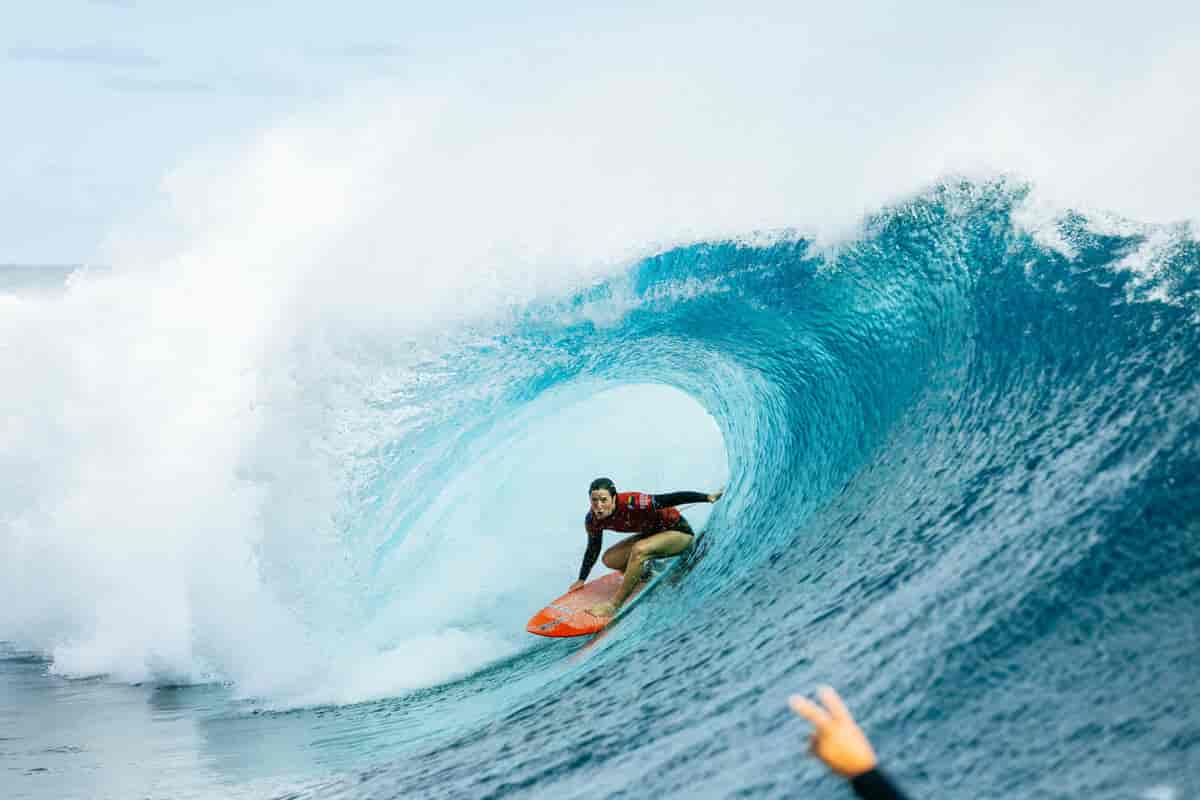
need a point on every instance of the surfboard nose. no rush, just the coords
(554, 623)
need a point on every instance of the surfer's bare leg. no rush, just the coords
(617, 556)
(656, 545)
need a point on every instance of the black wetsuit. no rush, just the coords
(874, 785)
(635, 512)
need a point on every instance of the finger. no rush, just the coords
(833, 702)
(809, 710)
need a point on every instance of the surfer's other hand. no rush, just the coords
(715, 496)
(574, 586)
(837, 740)
(603, 610)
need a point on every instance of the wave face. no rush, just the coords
(960, 452)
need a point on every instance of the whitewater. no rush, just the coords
(281, 482)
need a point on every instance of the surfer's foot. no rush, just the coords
(603, 610)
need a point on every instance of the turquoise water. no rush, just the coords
(960, 453)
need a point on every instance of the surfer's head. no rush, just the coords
(603, 496)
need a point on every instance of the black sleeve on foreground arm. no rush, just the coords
(590, 556)
(874, 785)
(678, 499)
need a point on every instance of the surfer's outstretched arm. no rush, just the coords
(672, 499)
(840, 743)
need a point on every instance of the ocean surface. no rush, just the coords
(960, 447)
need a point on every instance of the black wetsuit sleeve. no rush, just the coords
(592, 553)
(678, 498)
(874, 785)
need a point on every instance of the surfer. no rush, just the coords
(660, 532)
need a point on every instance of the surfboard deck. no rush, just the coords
(568, 614)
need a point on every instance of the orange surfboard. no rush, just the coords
(568, 615)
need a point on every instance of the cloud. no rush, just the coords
(242, 85)
(90, 55)
(158, 85)
(362, 50)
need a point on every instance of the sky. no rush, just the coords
(817, 113)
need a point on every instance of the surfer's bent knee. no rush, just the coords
(640, 550)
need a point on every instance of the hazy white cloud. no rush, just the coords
(158, 85)
(768, 117)
(1123, 145)
(86, 55)
(358, 51)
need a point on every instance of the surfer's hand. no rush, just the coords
(715, 496)
(574, 586)
(603, 610)
(837, 740)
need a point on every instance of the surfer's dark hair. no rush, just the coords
(603, 483)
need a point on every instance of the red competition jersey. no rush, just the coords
(634, 512)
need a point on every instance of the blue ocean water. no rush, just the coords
(961, 461)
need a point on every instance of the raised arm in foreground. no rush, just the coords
(840, 743)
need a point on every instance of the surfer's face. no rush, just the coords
(602, 503)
